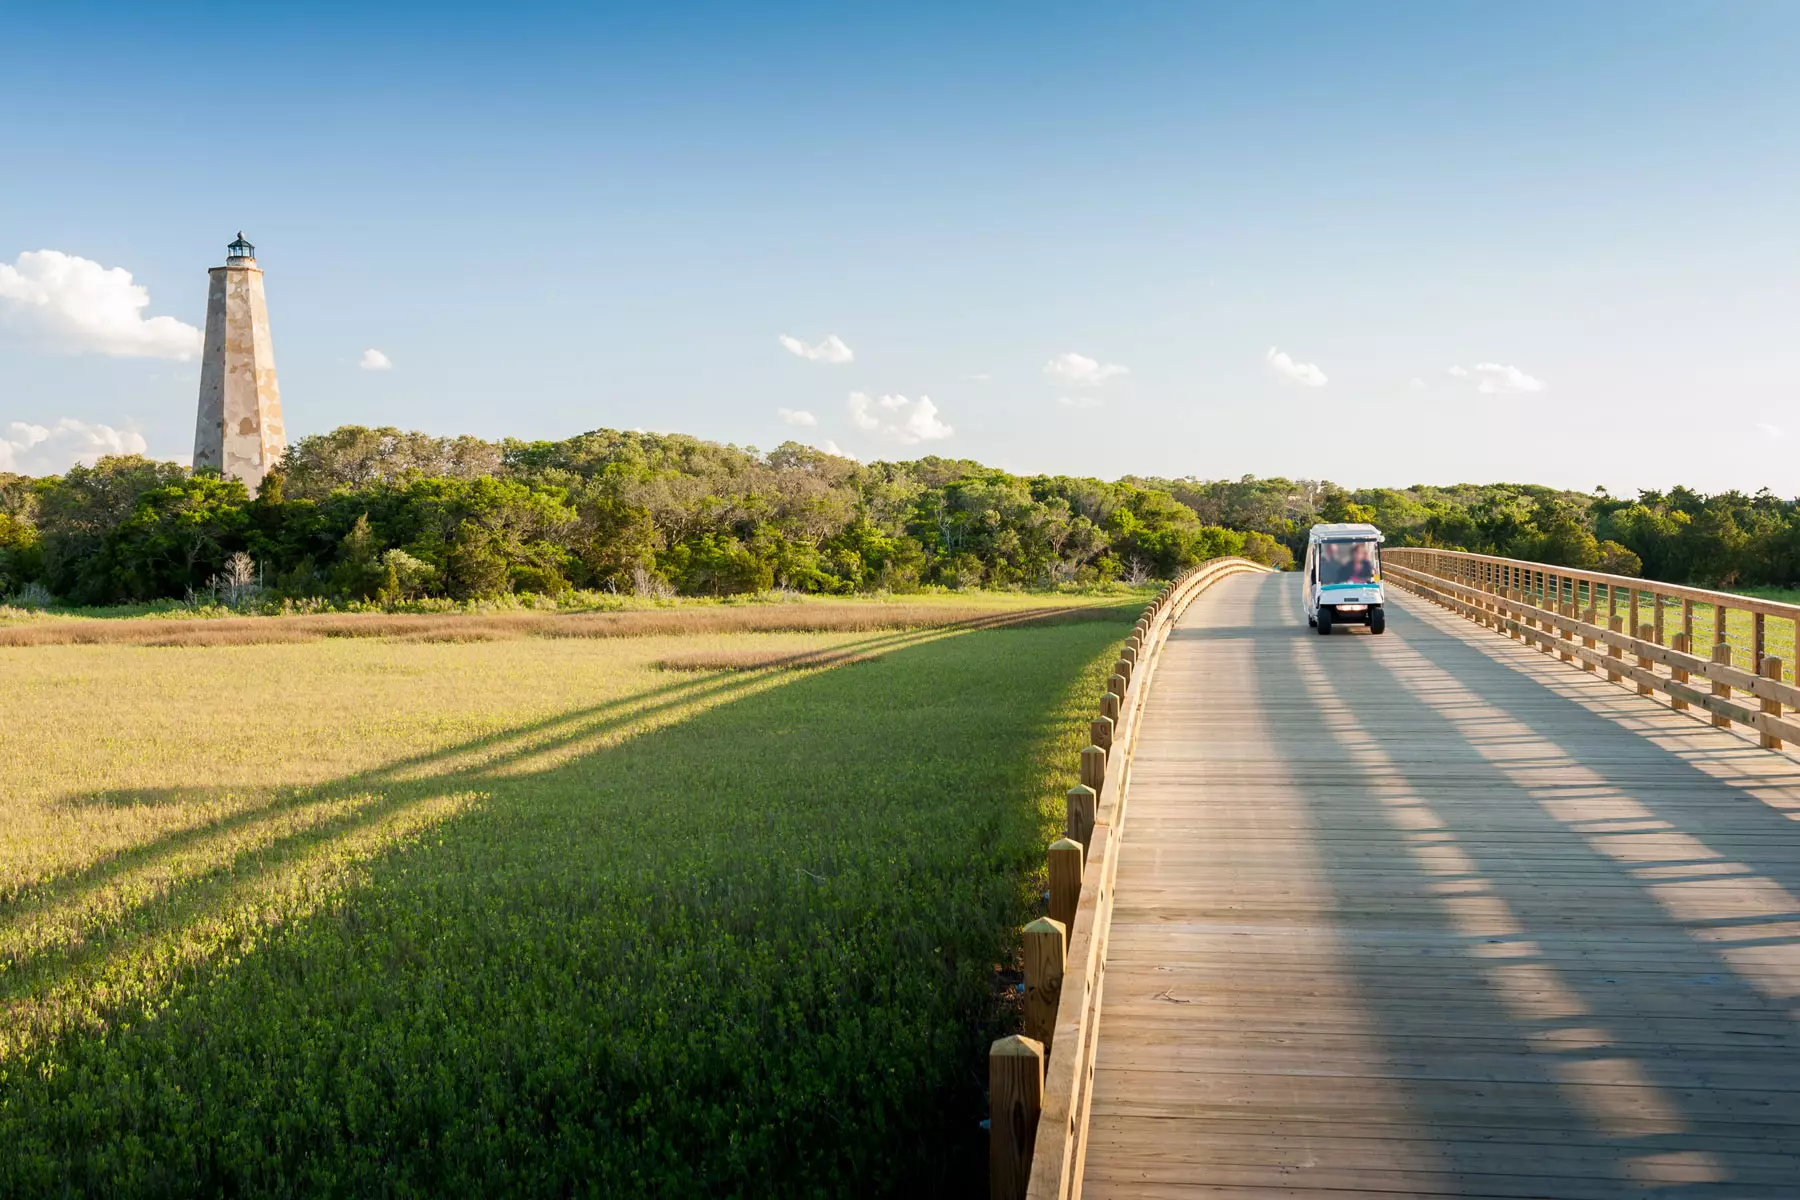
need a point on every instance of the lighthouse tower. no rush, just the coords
(238, 430)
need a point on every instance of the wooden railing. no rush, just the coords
(1577, 616)
(1038, 1082)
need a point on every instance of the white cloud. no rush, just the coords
(908, 422)
(71, 305)
(1289, 371)
(1493, 378)
(1768, 430)
(831, 350)
(1415, 384)
(1079, 401)
(831, 447)
(981, 378)
(1081, 371)
(53, 449)
(375, 360)
(795, 416)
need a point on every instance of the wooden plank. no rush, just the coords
(1435, 914)
(1056, 1160)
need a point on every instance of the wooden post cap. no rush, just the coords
(1109, 707)
(1015, 1101)
(1116, 685)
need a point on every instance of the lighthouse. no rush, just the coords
(238, 429)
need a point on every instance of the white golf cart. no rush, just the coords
(1343, 577)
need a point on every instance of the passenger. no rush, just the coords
(1362, 563)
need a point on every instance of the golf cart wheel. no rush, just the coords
(1324, 621)
(1377, 621)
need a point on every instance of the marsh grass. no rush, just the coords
(378, 916)
(813, 617)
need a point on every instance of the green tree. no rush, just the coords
(78, 514)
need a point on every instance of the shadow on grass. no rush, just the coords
(747, 952)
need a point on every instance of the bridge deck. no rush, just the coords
(1434, 914)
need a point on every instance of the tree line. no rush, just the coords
(384, 516)
(1725, 540)
(380, 515)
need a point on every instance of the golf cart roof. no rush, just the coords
(1349, 531)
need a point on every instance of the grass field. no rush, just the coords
(681, 913)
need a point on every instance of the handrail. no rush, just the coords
(1039, 1109)
(1555, 628)
(1549, 581)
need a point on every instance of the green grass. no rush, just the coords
(533, 916)
(1783, 595)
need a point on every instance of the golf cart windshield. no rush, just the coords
(1349, 561)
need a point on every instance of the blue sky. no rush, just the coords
(1543, 242)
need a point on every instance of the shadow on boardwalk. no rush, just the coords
(1577, 950)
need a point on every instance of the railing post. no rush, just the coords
(1081, 805)
(1093, 767)
(1015, 1101)
(1645, 664)
(1770, 669)
(1046, 942)
(1590, 618)
(1109, 708)
(1721, 654)
(1757, 645)
(1065, 860)
(1565, 648)
(1679, 674)
(1617, 625)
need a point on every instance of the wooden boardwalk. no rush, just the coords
(1435, 914)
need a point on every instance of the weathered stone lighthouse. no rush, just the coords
(238, 430)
